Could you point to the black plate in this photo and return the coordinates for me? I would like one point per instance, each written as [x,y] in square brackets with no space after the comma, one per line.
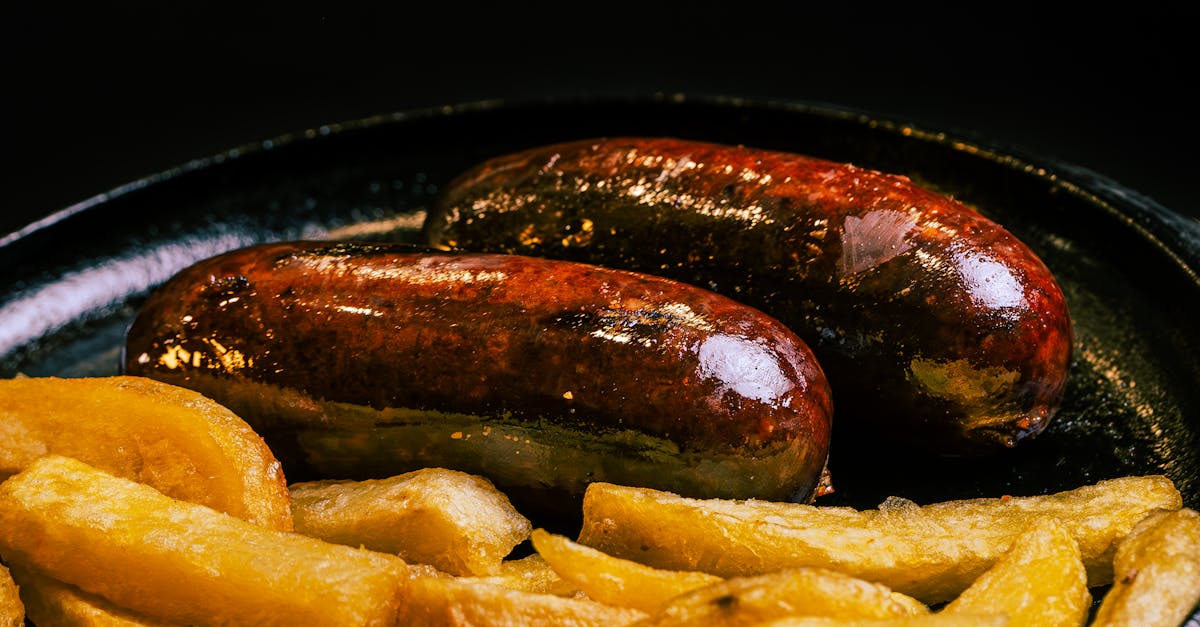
[1130,268]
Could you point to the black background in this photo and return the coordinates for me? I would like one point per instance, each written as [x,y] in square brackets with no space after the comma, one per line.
[95,97]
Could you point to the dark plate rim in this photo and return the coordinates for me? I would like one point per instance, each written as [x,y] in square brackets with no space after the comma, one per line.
[1175,235]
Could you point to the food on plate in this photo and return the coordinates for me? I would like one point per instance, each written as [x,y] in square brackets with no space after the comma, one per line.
[12,610]
[1157,573]
[790,592]
[653,384]
[613,580]
[1039,582]
[459,601]
[931,552]
[935,325]
[459,523]
[168,437]
[52,602]
[541,375]
[185,563]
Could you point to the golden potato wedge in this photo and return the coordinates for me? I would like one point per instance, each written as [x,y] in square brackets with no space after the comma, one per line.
[185,563]
[184,444]
[923,620]
[12,610]
[457,522]
[461,601]
[1039,582]
[1157,580]
[792,592]
[52,602]
[613,580]
[930,552]
[529,574]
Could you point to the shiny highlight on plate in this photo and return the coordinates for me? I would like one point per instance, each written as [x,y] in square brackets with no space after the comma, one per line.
[80,293]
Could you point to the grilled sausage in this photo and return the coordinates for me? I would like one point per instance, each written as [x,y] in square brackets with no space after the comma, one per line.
[366,360]
[935,325]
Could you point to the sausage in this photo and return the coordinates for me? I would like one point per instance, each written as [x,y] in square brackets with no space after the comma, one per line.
[363,360]
[936,327]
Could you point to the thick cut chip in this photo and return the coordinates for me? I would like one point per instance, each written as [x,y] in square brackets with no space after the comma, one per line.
[12,610]
[179,562]
[613,580]
[923,620]
[184,444]
[52,602]
[457,522]
[452,601]
[1157,578]
[1039,582]
[792,592]
[930,552]
[530,574]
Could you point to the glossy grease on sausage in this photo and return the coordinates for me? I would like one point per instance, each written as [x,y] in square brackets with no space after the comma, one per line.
[542,375]
[935,325]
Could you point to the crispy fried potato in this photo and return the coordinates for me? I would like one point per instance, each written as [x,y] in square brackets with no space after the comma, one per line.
[1157,578]
[52,602]
[930,552]
[923,620]
[461,601]
[613,580]
[12,610]
[457,522]
[529,574]
[179,562]
[1039,582]
[184,444]
[791,592]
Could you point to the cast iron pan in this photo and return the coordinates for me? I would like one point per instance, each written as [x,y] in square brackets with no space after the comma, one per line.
[1130,268]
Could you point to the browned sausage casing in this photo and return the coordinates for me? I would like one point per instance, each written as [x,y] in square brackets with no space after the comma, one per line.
[934,324]
[539,374]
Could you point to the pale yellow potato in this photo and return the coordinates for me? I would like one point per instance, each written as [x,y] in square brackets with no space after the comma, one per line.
[52,602]
[1039,582]
[613,580]
[180,562]
[930,552]
[462,601]
[184,444]
[1157,578]
[923,620]
[12,610]
[457,522]
[529,574]
[792,592]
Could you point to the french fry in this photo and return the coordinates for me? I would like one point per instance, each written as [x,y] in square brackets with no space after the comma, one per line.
[930,552]
[457,522]
[528,574]
[454,601]
[1039,582]
[1157,578]
[924,620]
[613,580]
[52,602]
[792,592]
[184,563]
[184,444]
[12,610]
